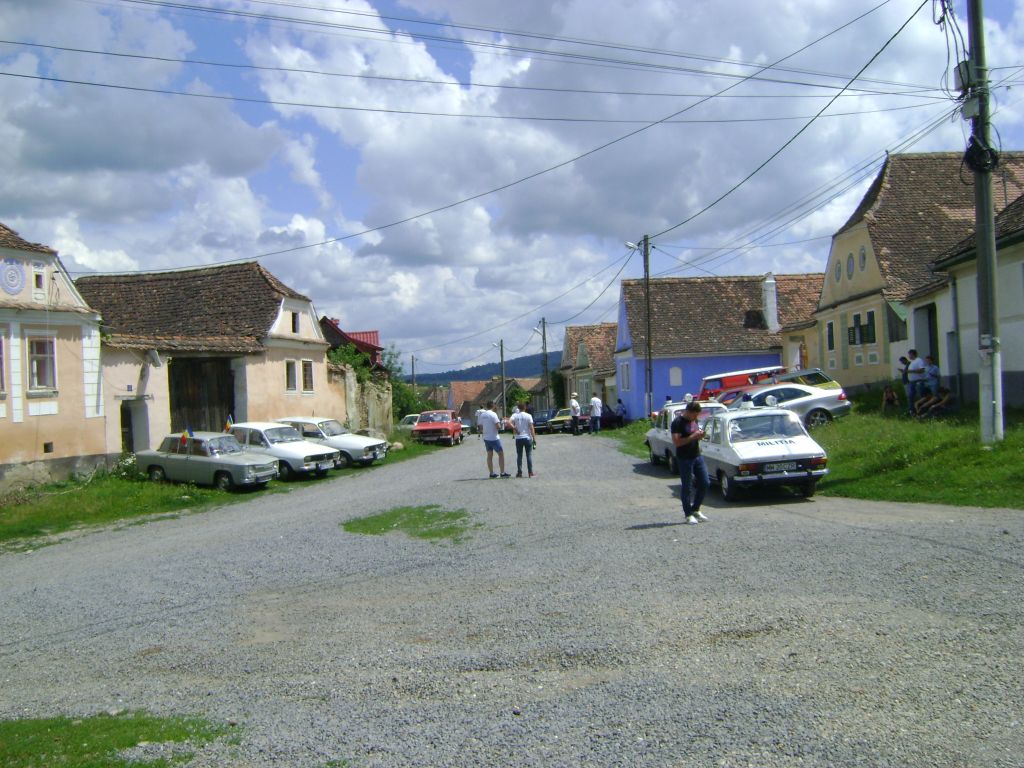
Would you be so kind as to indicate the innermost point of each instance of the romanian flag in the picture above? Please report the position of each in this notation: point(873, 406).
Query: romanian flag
point(184, 438)
point(228, 424)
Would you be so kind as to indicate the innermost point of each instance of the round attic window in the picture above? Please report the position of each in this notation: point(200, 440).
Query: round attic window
point(849, 266)
point(863, 257)
point(839, 269)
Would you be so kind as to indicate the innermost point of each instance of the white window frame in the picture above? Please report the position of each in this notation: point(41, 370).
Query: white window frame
point(291, 378)
point(307, 375)
point(625, 378)
point(32, 371)
point(675, 376)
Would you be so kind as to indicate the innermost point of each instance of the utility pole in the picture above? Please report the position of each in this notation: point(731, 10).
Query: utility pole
point(413, 359)
point(502, 379)
point(544, 346)
point(982, 159)
point(649, 387)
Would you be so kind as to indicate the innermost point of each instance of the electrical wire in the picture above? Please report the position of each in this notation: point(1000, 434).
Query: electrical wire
point(599, 295)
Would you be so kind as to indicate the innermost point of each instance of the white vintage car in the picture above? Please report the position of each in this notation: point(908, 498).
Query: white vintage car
point(294, 455)
point(659, 437)
point(352, 448)
point(751, 447)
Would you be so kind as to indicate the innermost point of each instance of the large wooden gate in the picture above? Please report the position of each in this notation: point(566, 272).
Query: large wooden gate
point(202, 393)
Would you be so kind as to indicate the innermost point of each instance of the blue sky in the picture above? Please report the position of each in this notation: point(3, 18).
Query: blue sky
point(122, 180)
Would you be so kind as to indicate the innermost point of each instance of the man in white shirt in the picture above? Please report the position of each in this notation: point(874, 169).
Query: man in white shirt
point(526, 438)
point(915, 379)
point(595, 414)
point(490, 427)
point(574, 410)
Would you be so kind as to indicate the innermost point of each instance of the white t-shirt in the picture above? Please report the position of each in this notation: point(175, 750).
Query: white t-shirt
point(521, 423)
point(574, 407)
point(595, 407)
point(488, 422)
point(915, 371)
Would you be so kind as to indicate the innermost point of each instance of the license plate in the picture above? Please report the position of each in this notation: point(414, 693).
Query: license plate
point(325, 465)
point(784, 466)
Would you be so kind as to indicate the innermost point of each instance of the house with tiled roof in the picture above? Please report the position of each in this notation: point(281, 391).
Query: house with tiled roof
point(192, 348)
point(51, 404)
point(700, 326)
point(367, 342)
point(464, 397)
point(917, 208)
point(953, 298)
point(587, 365)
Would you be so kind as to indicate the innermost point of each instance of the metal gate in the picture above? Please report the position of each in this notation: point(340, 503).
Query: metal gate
point(202, 393)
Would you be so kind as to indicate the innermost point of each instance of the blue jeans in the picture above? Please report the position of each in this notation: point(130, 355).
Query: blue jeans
point(595, 424)
point(693, 475)
point(524, 444)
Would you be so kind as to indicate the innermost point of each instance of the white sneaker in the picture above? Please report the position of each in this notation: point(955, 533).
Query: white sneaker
point(700, 516)
point(690, 520)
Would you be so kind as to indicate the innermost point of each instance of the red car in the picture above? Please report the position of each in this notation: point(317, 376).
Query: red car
point(438, 427)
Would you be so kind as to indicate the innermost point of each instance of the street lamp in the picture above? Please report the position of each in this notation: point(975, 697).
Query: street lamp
point(501, 346)
point(543, 331)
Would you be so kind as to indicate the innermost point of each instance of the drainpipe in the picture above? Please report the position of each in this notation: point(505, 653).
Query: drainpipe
point(958, 374)
point(770, 302)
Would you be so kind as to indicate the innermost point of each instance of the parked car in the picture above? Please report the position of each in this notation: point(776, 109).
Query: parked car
point(294, 455)
point(816, 406)
point(812, 377)
point(659, 437)
point(352, 448)
point(206, 458)
point(407, 422)
point(752, 447)
point(438, 427)
point(716, 383)
point(542, 419)
point(562, 420)
point(467, 426)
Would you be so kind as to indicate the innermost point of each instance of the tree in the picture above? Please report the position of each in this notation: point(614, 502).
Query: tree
point(404, 399)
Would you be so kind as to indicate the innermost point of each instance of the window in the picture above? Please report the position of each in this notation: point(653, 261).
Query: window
point(625, 378)
point(307, 375)
point(42, 364)
point(295, 322)
point(675, 376)
point(853, 332)
point(867, 331)
point(863, 257)
point(290, 381)
point(830, 335)
point(839, 270)
point(849, 266)
point(3, 388)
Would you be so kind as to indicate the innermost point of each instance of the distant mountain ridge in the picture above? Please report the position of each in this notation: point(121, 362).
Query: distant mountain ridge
point(530, 366)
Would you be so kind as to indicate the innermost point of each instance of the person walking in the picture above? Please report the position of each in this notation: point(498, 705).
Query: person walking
point(526, 439)
point(595, 414)
point(574, 410)
point(693, 472)
point(490, 428)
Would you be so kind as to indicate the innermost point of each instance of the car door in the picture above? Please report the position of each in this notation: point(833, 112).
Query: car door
point(198, 463)
point(173, 456)
point(713, 445)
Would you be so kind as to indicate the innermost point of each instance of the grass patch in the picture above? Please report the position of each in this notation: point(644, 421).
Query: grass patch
point(896, 458)
point(96, 742)
point(429, 522)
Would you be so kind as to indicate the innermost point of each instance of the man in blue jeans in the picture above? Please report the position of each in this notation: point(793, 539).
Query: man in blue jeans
point(693, 472)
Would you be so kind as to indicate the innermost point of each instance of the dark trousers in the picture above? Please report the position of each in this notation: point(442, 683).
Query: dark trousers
point(693, 476)
point(524, 444)
point(575, 425)
point(595, 424)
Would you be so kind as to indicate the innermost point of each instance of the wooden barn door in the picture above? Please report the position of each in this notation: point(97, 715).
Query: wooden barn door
point(202, 393)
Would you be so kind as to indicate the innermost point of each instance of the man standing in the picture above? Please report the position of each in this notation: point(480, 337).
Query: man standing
point(574, 410)
point(526, 438)
point(595, 414)
point(931, 375)
point(620, 413)
point(693, 472)
point(490, 426)
point(915, 378)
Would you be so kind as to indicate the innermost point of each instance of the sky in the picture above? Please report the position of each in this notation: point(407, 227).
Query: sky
point(450, 172)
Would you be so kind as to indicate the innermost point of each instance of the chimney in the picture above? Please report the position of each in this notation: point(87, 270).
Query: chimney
point(770, 303)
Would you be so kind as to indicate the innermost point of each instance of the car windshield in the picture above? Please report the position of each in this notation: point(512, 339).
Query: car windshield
point(283, 435)
point(434, 418)
point(332, 428)
point(225, 444)
point(764, 426)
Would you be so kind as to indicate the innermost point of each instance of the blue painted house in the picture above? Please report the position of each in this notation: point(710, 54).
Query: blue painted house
point(706, 325)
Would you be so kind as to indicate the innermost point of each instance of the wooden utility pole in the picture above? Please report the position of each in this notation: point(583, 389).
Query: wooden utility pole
point(547, 376)
point(982, 159)
point(649, 386)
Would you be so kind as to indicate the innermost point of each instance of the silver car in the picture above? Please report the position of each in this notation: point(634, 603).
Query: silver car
point(283, 442)
point(206, 458)
point(659, 437)
point(353, 448)
point(752, 447)
point(815, 405)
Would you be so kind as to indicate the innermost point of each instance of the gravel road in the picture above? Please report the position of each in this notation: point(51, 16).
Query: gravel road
point(580, 624)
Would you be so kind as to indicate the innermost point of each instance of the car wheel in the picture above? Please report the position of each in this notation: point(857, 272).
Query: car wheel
point(817, 418)
point(223, 481)
point(285, 470)
point(344, 460)
point(808, 488)
point(655, 461)
point(729, 490)
point(157, 474)
point(673, 465)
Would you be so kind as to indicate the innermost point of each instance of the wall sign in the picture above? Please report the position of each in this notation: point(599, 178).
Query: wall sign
point(13, 277)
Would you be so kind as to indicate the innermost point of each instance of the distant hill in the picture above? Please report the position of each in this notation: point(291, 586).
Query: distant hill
point(531, 366)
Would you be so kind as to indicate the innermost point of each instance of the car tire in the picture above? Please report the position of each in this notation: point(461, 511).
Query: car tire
point(223, 482)
point(818, 417)
point(344, 460)
point(285, 470)
point(655, 461)
point(727, 486)
point(807, 489)
point(157, 474)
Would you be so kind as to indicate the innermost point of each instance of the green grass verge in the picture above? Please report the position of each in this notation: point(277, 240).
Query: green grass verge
point(893, 458)
point(95, 742)
point(429, 522)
